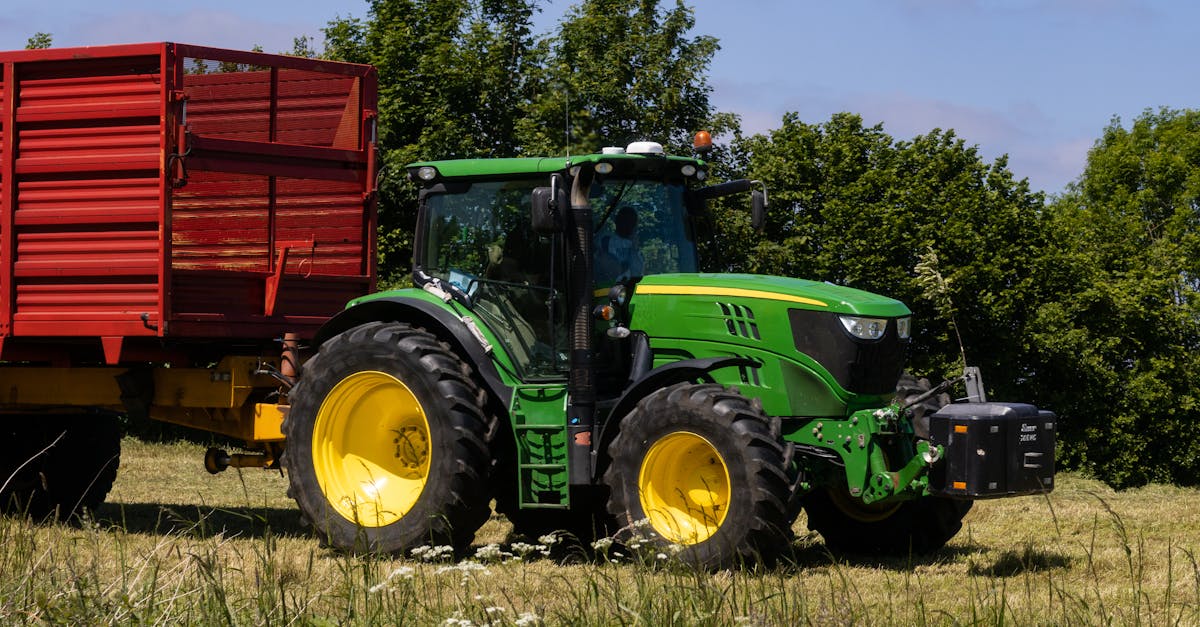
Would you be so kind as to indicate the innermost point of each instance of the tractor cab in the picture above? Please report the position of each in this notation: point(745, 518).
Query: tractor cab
point(492, 234)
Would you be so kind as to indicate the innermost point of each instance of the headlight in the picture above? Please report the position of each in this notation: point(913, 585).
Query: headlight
point(904, 327)
point(864, 328)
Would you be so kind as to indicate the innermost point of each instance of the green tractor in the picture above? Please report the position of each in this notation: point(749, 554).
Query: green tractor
point(562, 355)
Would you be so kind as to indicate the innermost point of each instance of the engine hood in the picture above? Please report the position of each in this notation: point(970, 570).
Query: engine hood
point(796, 293)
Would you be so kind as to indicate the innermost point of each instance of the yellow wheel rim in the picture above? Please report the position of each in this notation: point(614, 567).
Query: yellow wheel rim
point(371, 448)
point(684, 488)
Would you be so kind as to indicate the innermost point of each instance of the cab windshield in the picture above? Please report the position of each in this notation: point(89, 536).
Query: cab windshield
point(641, 228)
point(479, 237)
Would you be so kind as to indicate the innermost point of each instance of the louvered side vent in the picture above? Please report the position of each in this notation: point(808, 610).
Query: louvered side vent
point(739, 321)
point(749, 374)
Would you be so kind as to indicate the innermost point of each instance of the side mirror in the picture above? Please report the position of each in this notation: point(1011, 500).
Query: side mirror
point(548, 204)
point(758, 208)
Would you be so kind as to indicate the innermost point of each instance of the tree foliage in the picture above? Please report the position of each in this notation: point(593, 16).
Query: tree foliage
point(619, 71)
point(1120, 340)
point(469, 78)
point(39, 41)
point(853, 206)
point(453, 76)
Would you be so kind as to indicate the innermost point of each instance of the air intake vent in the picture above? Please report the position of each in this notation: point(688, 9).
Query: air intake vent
point(739, 321)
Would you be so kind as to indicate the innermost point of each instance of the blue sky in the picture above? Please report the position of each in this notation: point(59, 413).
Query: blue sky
point(1035, 79)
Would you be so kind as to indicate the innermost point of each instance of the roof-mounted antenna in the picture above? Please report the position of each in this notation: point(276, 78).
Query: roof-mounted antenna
point(567, 119)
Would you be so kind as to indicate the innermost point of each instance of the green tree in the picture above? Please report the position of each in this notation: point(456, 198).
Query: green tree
point(39, 41)
point(851, 205)
point(453, 75)
point(619, 71)
point(1120, 345)
point(468, 78)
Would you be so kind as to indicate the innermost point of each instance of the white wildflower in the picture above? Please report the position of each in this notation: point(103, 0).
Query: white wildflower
point(527, 619)
point(495, 609)
point(549, 539)
point(404, 572)
point(433, 553)
point(491, 553)
point(661, 556)
point(602, 544)
point(464, 567)
point(524, 548)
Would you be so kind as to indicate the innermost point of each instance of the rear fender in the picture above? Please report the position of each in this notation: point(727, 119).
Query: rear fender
point(429, 316)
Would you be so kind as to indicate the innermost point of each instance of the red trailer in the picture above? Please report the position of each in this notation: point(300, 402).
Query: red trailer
point(173, 218)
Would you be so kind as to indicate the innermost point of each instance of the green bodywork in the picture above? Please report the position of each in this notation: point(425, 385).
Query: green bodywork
point(865, 440)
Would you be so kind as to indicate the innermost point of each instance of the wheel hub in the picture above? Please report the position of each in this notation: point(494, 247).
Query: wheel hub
point(684, 488)
point(371, 448)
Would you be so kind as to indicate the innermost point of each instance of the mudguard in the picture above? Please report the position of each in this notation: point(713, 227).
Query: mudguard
point(442, 323)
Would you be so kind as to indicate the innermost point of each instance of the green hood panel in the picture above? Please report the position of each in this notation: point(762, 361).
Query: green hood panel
point(795, 293)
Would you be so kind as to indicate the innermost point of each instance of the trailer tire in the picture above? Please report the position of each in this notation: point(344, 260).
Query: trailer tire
point(919, 526)
point(72, 464)
point(696, 468)
point(387, 442)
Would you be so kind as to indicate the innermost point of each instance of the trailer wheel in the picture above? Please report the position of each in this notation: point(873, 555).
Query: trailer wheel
point(696, 466)
point(847, 525)
point(59, 466)
point(386, 442)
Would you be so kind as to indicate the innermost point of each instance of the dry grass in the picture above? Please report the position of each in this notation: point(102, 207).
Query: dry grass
point(175, 545)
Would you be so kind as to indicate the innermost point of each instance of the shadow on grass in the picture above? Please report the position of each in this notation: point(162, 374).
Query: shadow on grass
point(201, 521)
point(1029, 560)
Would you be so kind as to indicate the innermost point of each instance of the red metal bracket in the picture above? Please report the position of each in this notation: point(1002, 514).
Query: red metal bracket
point(275, 277)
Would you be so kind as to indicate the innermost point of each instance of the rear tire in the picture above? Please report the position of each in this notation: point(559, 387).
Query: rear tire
point(700, 465)
point(72, 476)
point(386, 442)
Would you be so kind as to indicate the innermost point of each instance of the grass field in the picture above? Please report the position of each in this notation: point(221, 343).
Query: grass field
point(176, 545)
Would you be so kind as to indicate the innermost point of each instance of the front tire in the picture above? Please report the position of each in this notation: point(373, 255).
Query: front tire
point(700, 466)
point(920, 526)
point(386, 442)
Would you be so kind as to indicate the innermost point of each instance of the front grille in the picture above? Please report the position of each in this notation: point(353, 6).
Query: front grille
point(859, 366)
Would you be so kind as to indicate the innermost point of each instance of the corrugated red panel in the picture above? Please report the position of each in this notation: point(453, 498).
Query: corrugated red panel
point(328, 213)
point(318, 110)
point(92, 201)
point(229, 105)
point(89, 149)
point(88, 196)
point(242, 295)
point(173, 192)
point(221, 221)
point(118, 87)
